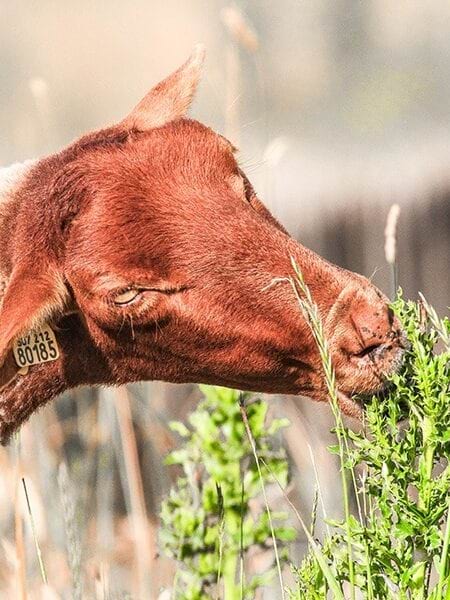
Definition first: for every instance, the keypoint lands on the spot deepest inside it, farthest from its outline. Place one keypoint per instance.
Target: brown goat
(141, 252)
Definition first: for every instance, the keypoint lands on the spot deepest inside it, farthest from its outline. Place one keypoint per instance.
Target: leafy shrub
(397, 546)
(209, 522)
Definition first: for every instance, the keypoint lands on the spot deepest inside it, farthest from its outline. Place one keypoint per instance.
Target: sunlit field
(340, 116)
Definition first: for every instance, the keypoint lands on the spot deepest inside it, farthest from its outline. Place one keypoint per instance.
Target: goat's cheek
(101, 313)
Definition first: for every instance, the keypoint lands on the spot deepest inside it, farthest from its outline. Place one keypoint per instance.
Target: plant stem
(444, 557)
(230, 589)
(221, 535)
(426, 470)
(241, 542)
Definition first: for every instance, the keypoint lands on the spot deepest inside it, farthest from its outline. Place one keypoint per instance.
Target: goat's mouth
(374, 369)
(352, 404)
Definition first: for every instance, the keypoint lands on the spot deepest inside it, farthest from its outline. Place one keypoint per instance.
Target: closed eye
(127, 297)
(130, 295)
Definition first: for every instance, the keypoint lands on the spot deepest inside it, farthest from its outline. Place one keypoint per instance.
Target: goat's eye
(126, 297)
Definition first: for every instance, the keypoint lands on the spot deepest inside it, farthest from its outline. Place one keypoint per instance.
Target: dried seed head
(239, 28)
(390, 233)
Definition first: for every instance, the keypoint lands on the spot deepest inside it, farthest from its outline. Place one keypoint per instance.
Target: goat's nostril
(390, 314)
(367, 350)
(373, 325)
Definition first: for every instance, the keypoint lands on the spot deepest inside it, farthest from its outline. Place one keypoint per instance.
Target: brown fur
(159, 204)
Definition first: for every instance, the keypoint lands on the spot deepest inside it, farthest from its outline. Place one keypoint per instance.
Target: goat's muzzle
(367, 344)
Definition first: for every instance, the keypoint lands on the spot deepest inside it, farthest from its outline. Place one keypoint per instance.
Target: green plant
(397, 546)
(213, 517)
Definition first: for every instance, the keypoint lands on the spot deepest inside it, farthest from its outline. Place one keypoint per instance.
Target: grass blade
(263, 487)
(33, 530)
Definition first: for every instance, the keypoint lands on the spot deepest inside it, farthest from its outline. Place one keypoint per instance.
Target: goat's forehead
(186, 136)
(180, 152)
(182, 144)
(191, 129)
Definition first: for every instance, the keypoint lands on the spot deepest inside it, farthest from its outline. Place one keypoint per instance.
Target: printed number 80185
(36, 347)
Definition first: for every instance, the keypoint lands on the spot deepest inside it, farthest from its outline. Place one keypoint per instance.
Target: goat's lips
(367, 372)
(352, 404)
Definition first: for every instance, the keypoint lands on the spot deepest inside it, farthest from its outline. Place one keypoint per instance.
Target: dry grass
(93, 467)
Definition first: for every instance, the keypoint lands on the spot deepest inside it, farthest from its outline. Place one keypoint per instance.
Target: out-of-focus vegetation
(213, 522)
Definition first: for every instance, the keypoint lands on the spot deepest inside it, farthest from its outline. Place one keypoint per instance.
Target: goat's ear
(171, 98)
(34, 294)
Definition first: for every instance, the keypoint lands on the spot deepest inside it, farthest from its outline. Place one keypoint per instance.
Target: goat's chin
(350, 406)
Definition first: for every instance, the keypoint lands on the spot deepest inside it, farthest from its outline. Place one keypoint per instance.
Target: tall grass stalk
(143, 536)
(390, 245)
(263, 488)
(33, 531)
(311, 313)
(437, 323)
(18, 529)
(319, 487)
(102, 587)
(321, 559)
(241, 35)
(72, 531)
(241, 541)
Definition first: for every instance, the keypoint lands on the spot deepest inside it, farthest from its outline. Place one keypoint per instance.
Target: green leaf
(179, 428)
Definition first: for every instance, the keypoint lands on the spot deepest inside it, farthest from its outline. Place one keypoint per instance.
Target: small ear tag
(37, 346)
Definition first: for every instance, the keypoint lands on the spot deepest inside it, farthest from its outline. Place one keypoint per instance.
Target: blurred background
(340, 108)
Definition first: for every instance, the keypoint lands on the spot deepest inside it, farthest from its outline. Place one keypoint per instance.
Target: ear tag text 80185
(37, 346)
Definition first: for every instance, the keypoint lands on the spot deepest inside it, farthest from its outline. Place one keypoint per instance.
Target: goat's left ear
(34, 294)
(171, 98)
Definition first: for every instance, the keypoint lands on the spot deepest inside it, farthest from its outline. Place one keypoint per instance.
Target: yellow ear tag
(37, 346)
